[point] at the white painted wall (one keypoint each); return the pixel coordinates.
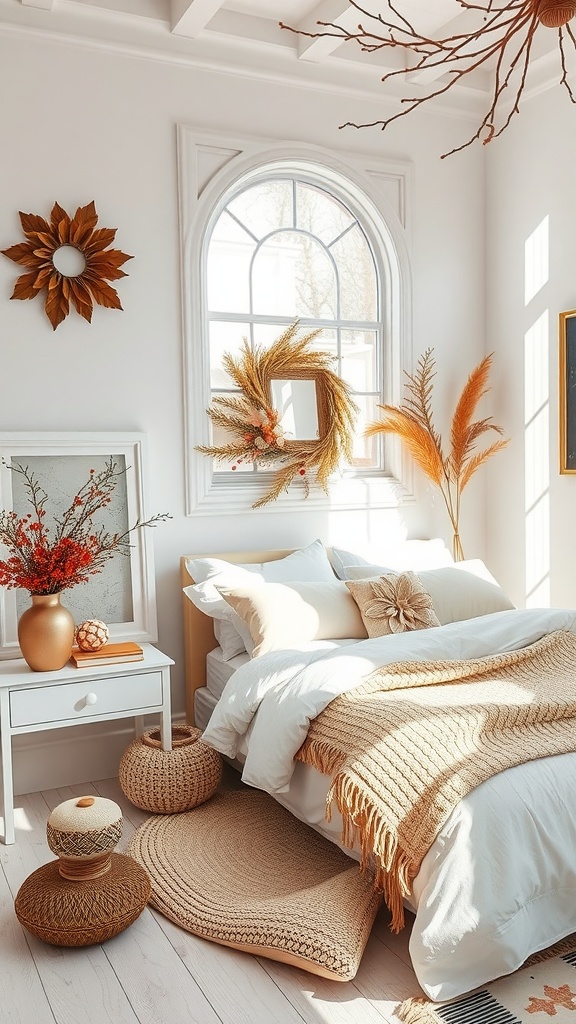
(83, 124)
(530, 185)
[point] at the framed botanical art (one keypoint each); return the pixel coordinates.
(568, 392)
(123, 593)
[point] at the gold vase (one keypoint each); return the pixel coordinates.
(46, 633)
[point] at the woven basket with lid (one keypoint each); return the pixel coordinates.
(169, 781)
(90, 893)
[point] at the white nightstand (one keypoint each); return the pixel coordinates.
(35, 701)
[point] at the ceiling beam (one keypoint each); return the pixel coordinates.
(337, 12)
(190, 17)
(461, 23)
(44, 5)
(465, 22)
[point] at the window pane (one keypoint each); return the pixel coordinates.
(264, 208)
(224, 337)
(220, 436)
(357, 273)
(359, 365)
(265, 334)
(293, 276)
(365, 449)
(226, 229)
(320, 213)
(228, 275)
(325, 341)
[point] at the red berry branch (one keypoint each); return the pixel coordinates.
(47, 560)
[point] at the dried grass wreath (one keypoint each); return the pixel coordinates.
(255, 426)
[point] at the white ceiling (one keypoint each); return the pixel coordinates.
(244, 36)
(193, 17)
(433, 12)
(428, 15)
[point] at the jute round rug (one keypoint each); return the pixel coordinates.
(240, 870)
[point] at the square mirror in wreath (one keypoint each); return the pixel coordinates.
(293, 414)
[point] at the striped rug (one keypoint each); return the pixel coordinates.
(543, 991)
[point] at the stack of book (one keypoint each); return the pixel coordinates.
(109, 654)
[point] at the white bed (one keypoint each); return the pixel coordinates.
(306, 795)
(499, 882)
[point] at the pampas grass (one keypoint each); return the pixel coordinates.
(413, 423)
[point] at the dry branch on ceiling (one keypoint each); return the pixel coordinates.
(505, 34)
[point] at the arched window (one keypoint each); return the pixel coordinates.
(286, 247)
(276, 240)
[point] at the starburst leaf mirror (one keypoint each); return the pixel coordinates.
(70, 260)
(499, 40)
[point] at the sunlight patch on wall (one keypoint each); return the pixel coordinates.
(538, 555)
(537, 463)
(536, 260)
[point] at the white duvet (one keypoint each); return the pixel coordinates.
(499, 882)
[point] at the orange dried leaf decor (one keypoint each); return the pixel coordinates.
(44, 241)
(414, 425)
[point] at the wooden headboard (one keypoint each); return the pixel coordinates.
(199, 637)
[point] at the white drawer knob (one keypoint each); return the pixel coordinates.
(91, 698)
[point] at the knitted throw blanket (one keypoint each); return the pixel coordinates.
(405, 746)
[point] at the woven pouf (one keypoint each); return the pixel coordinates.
(90, 893)
(169, 781)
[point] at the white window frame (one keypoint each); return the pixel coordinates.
(209, 166)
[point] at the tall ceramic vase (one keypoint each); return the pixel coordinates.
(46, 633)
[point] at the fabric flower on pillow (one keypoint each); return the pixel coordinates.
(394, 603)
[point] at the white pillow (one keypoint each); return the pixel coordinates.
(229, 638)
(228, 627)
(406, 555)
(365, 571)
(306, 564)
(461, 591)
(285, 616)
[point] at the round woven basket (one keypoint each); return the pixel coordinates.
(84, 912)
(169, 781)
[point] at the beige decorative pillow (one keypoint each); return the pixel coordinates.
(394, 603)
(464, 590)
(309, 563)
(283, 616)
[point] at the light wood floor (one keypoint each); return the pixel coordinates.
(156, 973)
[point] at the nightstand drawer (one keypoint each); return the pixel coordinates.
(85, 699)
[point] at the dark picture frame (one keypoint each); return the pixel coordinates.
(567, 333)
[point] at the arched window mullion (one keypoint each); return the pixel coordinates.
(343, 233)
(240, 223)
(294, 231)
(328, 323)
